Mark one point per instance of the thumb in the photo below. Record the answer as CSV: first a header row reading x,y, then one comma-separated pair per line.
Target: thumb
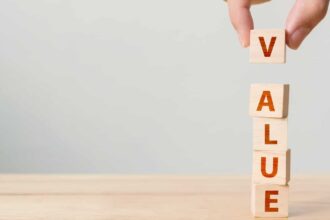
x,y
304,16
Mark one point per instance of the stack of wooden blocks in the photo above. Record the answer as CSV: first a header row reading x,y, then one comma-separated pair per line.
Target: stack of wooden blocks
x,y
269,109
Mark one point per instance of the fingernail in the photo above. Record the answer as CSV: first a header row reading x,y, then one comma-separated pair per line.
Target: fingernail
x,y
297,37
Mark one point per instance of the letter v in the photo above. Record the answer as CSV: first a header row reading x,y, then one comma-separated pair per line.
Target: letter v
x,y
267,51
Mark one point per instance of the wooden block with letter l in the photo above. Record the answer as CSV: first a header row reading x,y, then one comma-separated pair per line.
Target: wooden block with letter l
x,y
270,201
270,167
267,46
269,100
270,134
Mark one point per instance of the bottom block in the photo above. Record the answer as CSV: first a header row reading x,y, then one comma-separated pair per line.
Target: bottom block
x,y
270,201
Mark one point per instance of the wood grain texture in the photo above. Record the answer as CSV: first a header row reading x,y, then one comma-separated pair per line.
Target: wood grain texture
x,y
282,175
100,197
277,131
275,104
267,46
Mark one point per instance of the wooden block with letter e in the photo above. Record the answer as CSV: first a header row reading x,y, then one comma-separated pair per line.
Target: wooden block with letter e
x,y
269,100
270,167
270,134
270,201
267,46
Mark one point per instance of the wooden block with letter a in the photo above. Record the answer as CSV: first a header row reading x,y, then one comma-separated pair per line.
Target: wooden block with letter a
x,y
270,167
270,201
267,46
270,134
269,100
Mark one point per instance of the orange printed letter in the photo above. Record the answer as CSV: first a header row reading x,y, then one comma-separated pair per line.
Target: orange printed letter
x,y
269,200
266,95
263,167
267,52
267,138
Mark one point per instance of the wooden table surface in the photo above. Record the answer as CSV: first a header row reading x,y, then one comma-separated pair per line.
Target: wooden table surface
x,y
149,197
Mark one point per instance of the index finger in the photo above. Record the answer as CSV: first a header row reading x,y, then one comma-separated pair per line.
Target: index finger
x,y
241,18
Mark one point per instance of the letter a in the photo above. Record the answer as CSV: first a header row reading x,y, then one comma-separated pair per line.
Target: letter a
x,y
266,95
267,51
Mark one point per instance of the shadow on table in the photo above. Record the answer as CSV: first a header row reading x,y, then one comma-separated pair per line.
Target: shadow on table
x,y
309,207
305,208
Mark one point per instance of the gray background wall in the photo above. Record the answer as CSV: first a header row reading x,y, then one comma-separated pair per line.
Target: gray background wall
x,y
148,86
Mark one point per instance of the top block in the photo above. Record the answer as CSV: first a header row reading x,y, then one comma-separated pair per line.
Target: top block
x,y
267,46
269,100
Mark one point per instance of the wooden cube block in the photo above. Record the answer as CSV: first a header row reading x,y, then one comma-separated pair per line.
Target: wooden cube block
x,y
269,100
270,201
270,167
267,46
270,134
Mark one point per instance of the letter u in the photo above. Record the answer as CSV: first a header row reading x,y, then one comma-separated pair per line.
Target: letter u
x,y
264,170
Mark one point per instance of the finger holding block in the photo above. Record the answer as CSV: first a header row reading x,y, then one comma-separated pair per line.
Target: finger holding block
x,y
269,100
270,134
270,201
271,167
267,46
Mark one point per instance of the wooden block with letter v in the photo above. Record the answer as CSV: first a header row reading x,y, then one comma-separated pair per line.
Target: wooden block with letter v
x,y
270,167
269,100
270,134
270,201
267,46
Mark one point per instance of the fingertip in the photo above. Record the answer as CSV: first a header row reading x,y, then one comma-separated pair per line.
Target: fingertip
x,y
244,38
243,31
292,46
304,16
241,19
245,45
295,38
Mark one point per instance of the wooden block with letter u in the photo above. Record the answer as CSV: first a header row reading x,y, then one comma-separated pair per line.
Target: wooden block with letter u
x,y
271,167
267,46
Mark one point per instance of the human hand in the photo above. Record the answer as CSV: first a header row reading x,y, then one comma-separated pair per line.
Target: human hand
x,y
303,17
